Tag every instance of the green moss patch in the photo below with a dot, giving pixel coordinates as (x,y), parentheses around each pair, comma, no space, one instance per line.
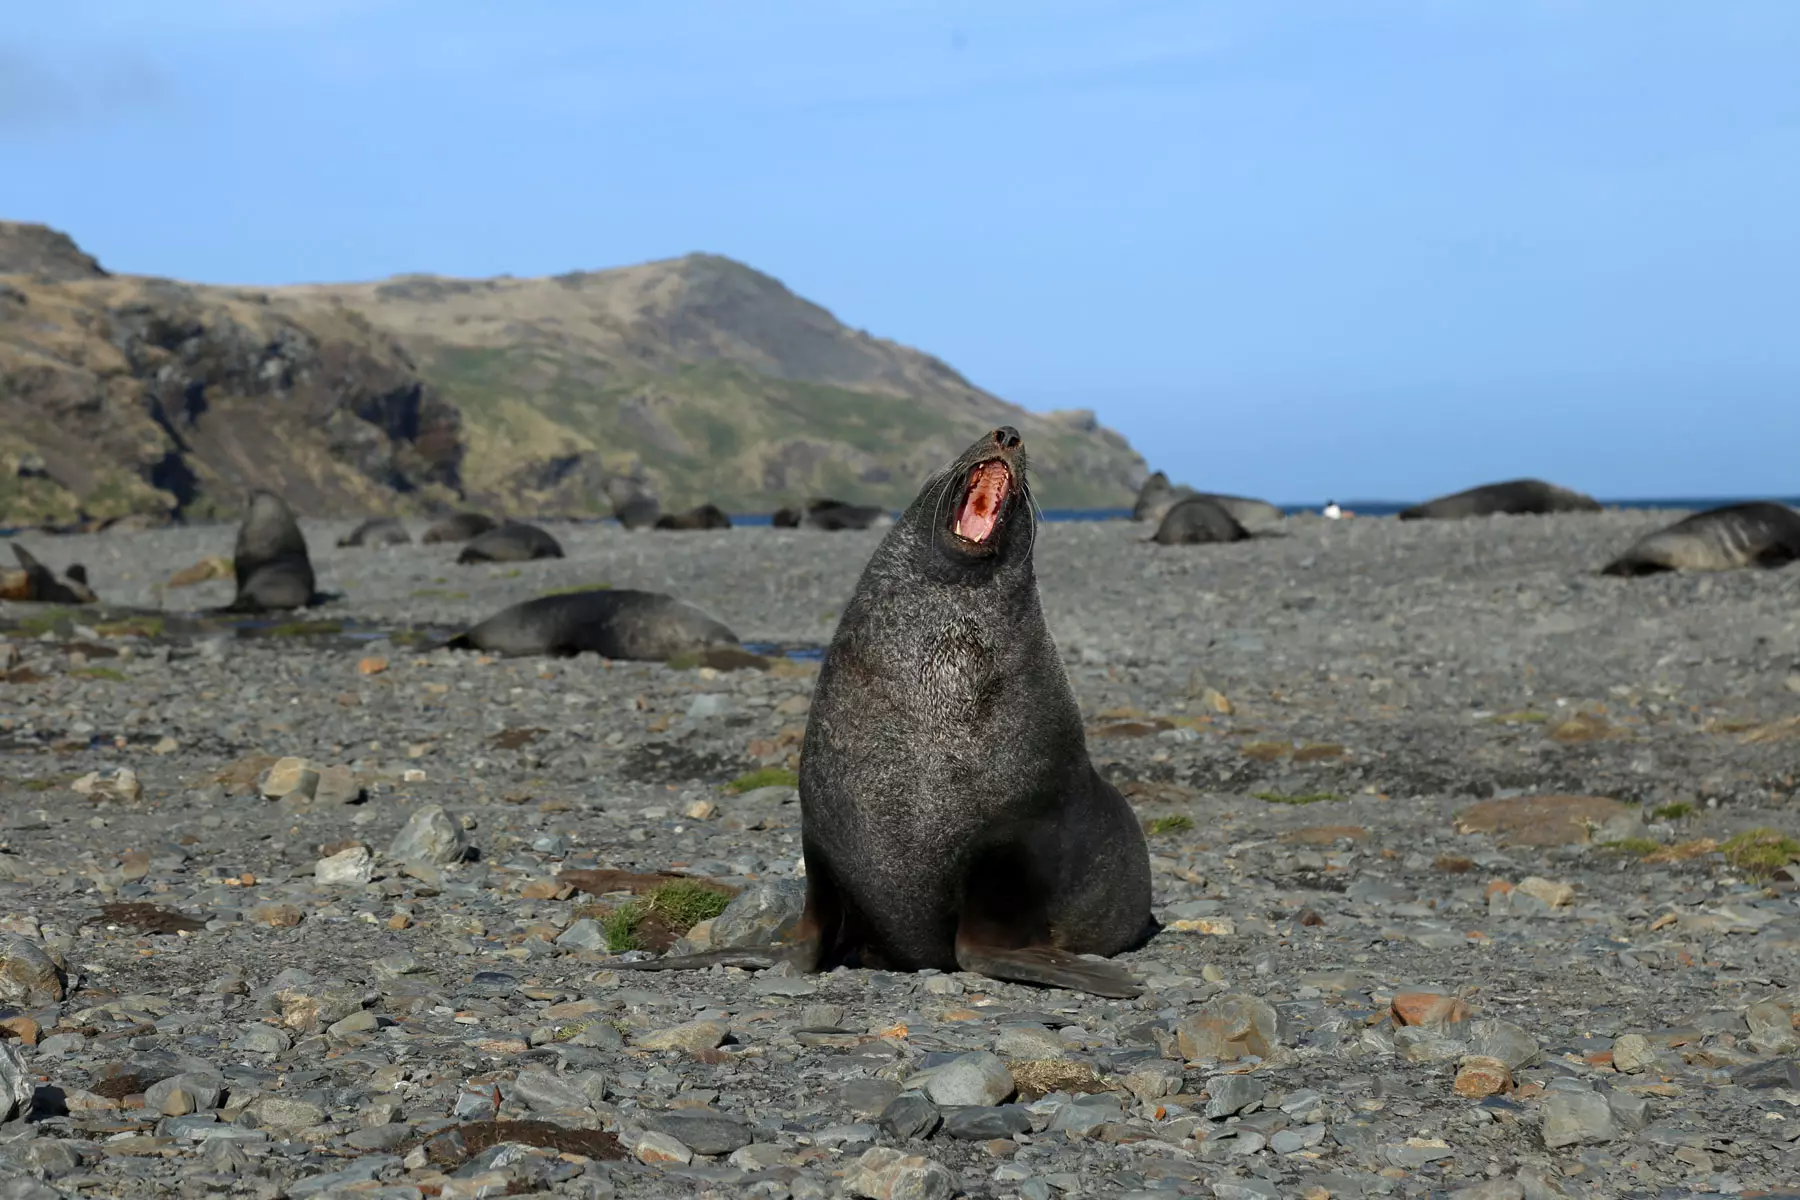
(1301,798)
(763,777)
(1759,853)
(655,920)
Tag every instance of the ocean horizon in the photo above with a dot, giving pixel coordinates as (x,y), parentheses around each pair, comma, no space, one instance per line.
(1361,508)
(1377,508)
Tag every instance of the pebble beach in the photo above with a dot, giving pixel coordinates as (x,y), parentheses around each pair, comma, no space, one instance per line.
(1475,869)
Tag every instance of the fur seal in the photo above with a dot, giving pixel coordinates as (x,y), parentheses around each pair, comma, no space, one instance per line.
(950,815)
(637,512)
(1198,520)
(458,527)
(613,624)
(378,531)
(832,515)
(1754,534)
(704,516)
(1158,496)
(513,541)
(1515,497)
(37,583)
(270,559)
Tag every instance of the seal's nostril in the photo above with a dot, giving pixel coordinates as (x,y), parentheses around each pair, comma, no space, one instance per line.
(1006,437)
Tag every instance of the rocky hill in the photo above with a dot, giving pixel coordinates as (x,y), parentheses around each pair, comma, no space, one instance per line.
(695,378)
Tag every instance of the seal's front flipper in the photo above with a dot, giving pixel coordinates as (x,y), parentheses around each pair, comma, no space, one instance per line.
(749,960)
(1050,967)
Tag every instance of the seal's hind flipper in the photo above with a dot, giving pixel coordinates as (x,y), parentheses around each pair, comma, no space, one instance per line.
(748,959)
(1050,967)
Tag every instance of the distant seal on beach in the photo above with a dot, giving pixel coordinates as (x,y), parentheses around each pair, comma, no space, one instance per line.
(704,516)
(378,531)
(458,527)
(637,512)
(36,583)
(1158,496)
(950,815)
(647,626)
(513,541)
(270,560)
(1515,497)
(831,515)
(1758,533)
(1196,521)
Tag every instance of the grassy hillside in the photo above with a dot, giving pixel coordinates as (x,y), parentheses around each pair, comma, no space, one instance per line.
(695,379)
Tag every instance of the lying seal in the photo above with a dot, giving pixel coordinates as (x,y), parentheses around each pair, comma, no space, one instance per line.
(1198,520)
(378,531)
(1516,497)
(514,541)
(613,624)
(705,516)
(637,512)
(832,515)
(950,816)
(458,527)
(1755,534)
(37,583)
(1158,496)
(270,559)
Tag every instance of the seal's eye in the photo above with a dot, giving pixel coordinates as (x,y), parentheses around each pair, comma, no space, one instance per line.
(988,486)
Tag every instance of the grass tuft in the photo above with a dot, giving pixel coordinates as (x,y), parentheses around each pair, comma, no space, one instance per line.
(1179,823)
(106,673)
(1759,853)
(1635,846)
(621,927)
(1679,810)
(678,906)
(763,777)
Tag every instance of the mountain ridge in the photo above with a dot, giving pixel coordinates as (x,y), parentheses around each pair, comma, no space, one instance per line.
(696,378)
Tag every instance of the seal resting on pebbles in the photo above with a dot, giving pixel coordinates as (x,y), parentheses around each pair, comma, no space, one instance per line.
(613,624)
(514,541)
(1758,533)
(831,515)
(1198,520)
(1515,497)
(950,816)
(1158,496)
(458,527)
(704,516)
(378,531)
(270,560)
(637,512)
(37,583)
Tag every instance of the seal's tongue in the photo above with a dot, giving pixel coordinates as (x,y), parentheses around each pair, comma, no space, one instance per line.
(988,484)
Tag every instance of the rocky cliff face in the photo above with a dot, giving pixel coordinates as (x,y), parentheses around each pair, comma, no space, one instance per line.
(123,394)
(694,379)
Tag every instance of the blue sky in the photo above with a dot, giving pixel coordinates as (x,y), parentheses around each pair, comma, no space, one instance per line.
(1381,249)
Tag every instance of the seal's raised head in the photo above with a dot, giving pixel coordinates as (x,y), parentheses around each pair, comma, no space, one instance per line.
(978,511)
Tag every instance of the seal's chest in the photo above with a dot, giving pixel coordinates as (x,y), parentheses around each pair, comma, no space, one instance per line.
(955,667)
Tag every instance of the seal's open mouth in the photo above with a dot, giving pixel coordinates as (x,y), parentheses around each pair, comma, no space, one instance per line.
(983,500)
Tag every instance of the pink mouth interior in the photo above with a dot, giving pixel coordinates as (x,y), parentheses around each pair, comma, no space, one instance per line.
(988,485)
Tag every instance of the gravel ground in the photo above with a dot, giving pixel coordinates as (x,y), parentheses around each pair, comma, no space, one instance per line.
(1390,967)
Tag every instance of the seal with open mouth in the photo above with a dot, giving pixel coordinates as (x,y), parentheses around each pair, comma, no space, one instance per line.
(950,815)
